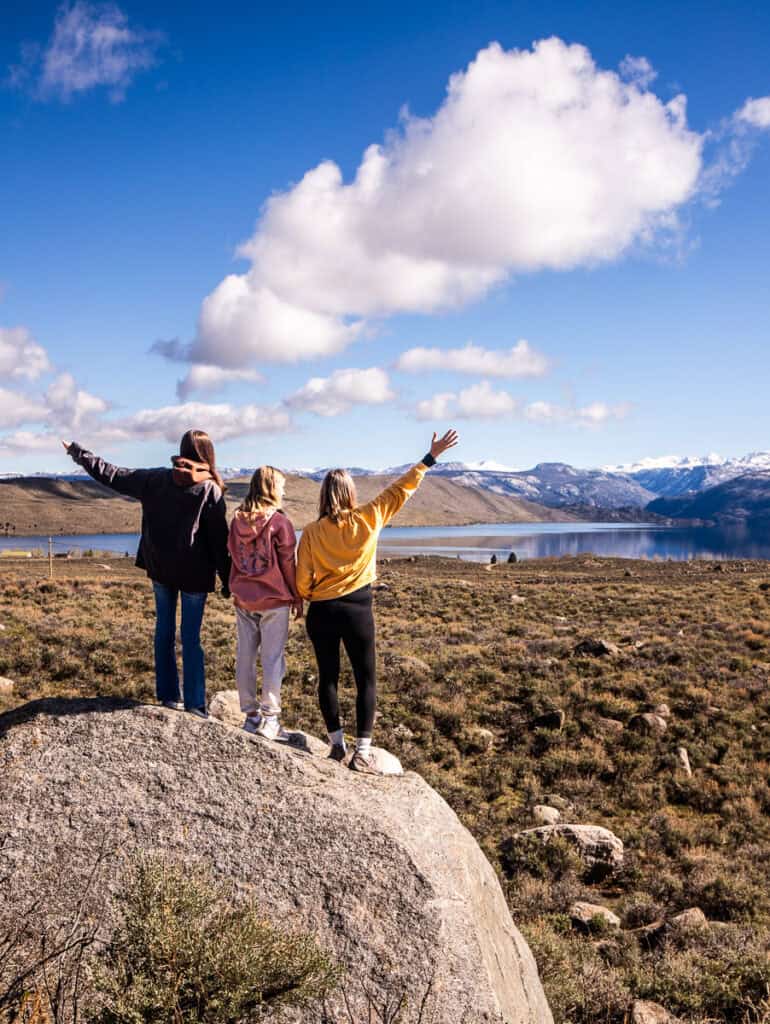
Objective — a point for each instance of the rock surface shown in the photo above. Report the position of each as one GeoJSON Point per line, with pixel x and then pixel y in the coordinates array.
{"type": "Point", "coordinates": [592, 915]}
{"type": "Point", "coordinates": [545, 815]}
{"type": "Point", "coordinates": [600, 850]}
{"type": "Point", "coordinates": [645, 1012]}
{"type": "Point", "coordinates": [6, 685]}
{"type": "Point", "coordinates": [595, 647]}
{"type": "Point", "coordinates": [648, 724]}
{"type": "Point", "coordinates": [225, 706]}
{"type": "Point", "coordinates": [380, 869]}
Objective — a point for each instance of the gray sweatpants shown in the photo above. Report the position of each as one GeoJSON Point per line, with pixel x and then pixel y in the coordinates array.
{"type": "Point", "coordinates": [263, 635]}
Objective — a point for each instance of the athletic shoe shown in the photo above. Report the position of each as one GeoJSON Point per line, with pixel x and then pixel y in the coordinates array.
{"type": "Point", "coordinates": [252, 723]}
{"type": "Point", "coordinates": [361, 763]}
{"type": "Point", "coordinates": [271, 729]}
{"type": "Point", "coordinates": [337, 753]}
{"type": "Point", "coordinates": [198, 712]}
{"type": "Point", "coordinates": [173, 705]}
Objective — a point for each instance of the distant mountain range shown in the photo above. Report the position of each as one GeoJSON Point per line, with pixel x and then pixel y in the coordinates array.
{"type": "Point", "coordinates": [742, 500]}
{"type": "Point", "coordinates": [621, 491]}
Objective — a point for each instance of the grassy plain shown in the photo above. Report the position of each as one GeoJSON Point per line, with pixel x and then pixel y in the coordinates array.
{"type": "Point", "coordinates": [469, 657]}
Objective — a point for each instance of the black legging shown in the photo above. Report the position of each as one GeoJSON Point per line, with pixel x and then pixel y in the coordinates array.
{"type": "Point", "coordinates": [350, 620]}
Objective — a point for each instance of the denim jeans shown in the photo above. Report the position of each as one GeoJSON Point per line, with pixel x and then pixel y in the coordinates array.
{"type": "Point", "coordinates": [166, 675]}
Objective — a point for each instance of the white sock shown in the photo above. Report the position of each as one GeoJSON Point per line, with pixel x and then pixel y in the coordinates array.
{"type": "Point", "coordinates": [363, 745]}
{"type": "Point", "coordinates": [337, 739]}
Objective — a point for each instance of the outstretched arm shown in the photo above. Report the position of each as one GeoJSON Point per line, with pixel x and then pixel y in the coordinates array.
{"type": "Point", "coordinates": [130, 482]}
{"type": "Point", "coordinates": [393, 498]}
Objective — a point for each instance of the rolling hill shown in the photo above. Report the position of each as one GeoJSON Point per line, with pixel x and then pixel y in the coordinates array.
{"type": "Point", "coordinates": [743, 500]}
{"type": "Point", "coordinates": [40, 506]}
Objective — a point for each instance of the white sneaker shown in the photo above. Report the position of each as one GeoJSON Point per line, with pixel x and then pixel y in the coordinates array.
{"type": "Point", "coordinates": [252, 723]}
{"type": "Point", "coordinates": [173, 705]}
{"type": "Point", "coordinates": [272, 729]}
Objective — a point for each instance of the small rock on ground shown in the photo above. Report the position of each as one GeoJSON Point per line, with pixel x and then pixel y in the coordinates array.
{"type": "Point", "coordinates": [545, 815]}
{"type": "Point", "coordinates": [550, 720]}
{"type": "Point", "coordinates": [600, 850]}
{"type": "Point", "coordinates": [683, 760]}
{"type": "Point", "coordinates": [691, 918]}
{"type": "Point", "coordinates": [648, 724]}
{"type": "Point", "coordinates": [644, 1011]}
{"type": "Point", "coordinates": [6, 685]}
{"type": "Point", "coordinates": [592, 915]}
{"type": "Point", "coordinates": [594, 647]}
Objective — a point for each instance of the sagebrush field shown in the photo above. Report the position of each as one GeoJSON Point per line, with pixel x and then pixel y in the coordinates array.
{"type": "Point", "coordinates": [469, 658]}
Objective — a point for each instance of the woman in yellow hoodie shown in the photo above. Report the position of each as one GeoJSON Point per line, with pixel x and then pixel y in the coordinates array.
{"type": "Point", "coordinates": [335, 570]}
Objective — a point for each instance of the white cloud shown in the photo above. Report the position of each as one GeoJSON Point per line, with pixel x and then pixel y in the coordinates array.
{"type": "Point", "coordinates": [330, 396]}
{"type": "Point", "coordinates": [591, 415]}
{"type": "Point", "coordinates": [92, 46]}
{"type": "Point", "coordinates": [480, 401]}
{"type": "Point", "coordinates": [69, 406]}
{"type": "Point", "coordinates": [638, 70]}
{"type": "Point", "coordinates": [17, 408]}
{"type": "Point", "coordinates": [222, 421]}
{"type": "Point", "coordinates": [535, 160]}
{"type": "Point", "coordinates": [755, 112]}
{"type": "Point", "coordinates": [521, 360]}
{"type": "Point", "coordinates": [202, 377]}
{"type": "Point", "coordinates": [439, 407]}
{"type": "Point", "coordinates": [20, 354]}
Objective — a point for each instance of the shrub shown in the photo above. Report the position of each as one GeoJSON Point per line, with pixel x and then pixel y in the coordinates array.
{"type": "Point", "coordinates": [185, 952]}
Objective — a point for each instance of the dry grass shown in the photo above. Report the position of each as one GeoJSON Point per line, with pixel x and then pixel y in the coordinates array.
{"type": "Point", "coordinates": [694, 636]}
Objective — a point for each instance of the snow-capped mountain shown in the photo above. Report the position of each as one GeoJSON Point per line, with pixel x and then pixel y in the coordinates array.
{"type": "Point", "coordinates": [687, 475]}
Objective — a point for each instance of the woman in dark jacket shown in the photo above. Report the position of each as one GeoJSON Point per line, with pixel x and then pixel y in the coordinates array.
{"type": "Point", "coordinates": [182, 548]}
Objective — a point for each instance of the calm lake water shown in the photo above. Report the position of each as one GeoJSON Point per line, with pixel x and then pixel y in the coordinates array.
{"type": "Point", "coordinates": [528, 540]}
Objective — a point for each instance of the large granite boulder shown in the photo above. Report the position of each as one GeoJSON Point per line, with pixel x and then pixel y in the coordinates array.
{"type": "Point", "coordinates": [379, 868]}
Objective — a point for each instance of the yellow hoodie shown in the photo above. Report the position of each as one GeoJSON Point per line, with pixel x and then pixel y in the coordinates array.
{"type": "Point", "coordinates": [335, 559]}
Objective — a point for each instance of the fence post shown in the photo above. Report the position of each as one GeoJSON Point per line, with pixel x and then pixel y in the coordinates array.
{"type": "Point", "coordinates": [50, 558]}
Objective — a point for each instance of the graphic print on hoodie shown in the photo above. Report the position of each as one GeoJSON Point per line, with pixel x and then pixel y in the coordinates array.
{"type": "Point", "coordinates": [262, 548]}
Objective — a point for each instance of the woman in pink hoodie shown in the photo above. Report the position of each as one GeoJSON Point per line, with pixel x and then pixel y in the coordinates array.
{"type": "Point", "coordinates": [262, 545]}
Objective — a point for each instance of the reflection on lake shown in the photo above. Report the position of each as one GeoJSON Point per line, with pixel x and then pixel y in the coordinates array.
{"type": "Point", "coordinates": [480, 542]}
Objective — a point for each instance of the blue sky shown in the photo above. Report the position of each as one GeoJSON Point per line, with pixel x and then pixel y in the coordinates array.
{"type": "Point", "coordinates": [556, 199]}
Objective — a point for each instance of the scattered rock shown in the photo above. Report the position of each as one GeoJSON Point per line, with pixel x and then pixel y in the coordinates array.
{"type": "Point", "coordinates": [610, 726]}
{"type": "Point", "coordinates": [512, 558]}
{"type": "Point", "coordinates": [545, 815]}
{"type": "Point", "coordinates": [6, 685]}
{"type": "Point", "coordinates": [645, 1012]}
{"type": "Point", "coordinates": [592, 647]}
{"type": "Point", "coordinates": [600, 850]}
{"type": "Point", "coordinates": [518, 599]}
{"type": "Point", "coordinates": [553, 720]}
{"type": "Point", "coordinates": [591, 916]}
{"type": "Point", "coordinates": [403, 732]}
{"type": "Point", "coordinates": [628, 573]}
{"type": "Point", "coordinates": [688, 920]}
{"type": "Point", "coordinates": [663, 710]}
{"type": "Point", "coordinates": [399, 871]}
{"type": "Point", "coordinates": [764, 586]}
{"type": "Point", "coordinates": [683, 760]}
{"type": "Point", "coordinates": [559, 802]}
{"type": "Point", "coordinates": [479, 739]}
{"type": "Point", "coordinates": [648, 724]}
{"type": "Point", "coordinates": [493, 560]}
{"type": "Point", "coordinates": [225, 706]}
{"type": "Point", "coordinates": [718, 567]}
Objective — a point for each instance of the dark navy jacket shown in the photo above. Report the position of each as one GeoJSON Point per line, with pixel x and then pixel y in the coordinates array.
{"type": "Point", "coordinates": [184, 529]}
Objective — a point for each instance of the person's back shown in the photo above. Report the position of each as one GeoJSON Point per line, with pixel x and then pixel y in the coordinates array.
{"type": "Point", "coordinates": [337, 553]}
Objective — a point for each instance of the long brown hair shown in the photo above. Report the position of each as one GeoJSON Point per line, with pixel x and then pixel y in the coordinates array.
{"type": "Point", "coordinates": [264, 491]}
{"type": "Point", "coordinates": [198, 446]}
{"type": "Point", "coordinates": [338, 495]}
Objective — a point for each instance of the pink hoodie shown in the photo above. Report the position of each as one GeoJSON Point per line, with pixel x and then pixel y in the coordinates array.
{"type": "Point", "coordinates": [263, 552]}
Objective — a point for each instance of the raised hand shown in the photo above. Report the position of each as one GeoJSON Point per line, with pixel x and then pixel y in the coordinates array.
{"type": "Point", "coordinates": [440, 444]}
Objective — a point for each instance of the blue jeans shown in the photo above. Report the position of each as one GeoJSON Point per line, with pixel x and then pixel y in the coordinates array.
{"type": "Point", "coordinates": [166, 675]}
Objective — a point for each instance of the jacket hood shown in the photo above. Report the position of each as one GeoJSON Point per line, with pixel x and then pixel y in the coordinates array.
{"type": "Point", "coordinates": [186, 472]}
{"type": "Point", "coordinates": [247, 527]}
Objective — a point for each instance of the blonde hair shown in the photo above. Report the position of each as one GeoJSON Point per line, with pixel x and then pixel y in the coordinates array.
{"type": "Point", "coordinates": [264, 491]}
{"type": "Point", "coordinates": [338, 495]}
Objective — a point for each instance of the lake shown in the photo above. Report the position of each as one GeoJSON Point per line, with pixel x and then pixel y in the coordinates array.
{"type": "Point", "coordinates": [528, 540]}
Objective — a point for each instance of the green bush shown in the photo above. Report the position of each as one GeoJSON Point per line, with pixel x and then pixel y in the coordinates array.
{"type": "Point", "coordinates": [185, 951]}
